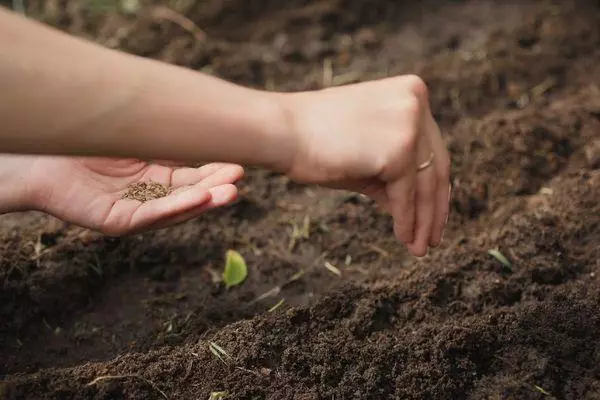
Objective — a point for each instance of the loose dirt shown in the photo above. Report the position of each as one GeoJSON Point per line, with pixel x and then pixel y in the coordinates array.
{"type": "Point", "coordinates": [516, 89]}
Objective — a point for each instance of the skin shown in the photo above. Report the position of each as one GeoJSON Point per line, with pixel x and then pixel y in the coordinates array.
{"type": "Point", "coordinates": [87, 190]}
{"type": "Point", "coordinates": [75, 135]}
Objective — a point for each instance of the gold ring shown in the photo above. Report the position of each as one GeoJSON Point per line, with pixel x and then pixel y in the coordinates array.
{"type": "Point", "coordinates": [426, 164]}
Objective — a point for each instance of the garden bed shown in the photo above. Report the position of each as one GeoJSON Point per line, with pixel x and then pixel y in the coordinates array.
{"type": "Point", "coordinates": [515, 87]}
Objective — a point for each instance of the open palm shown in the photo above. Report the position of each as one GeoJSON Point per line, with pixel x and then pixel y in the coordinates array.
{"type": "Point", "coordinates": [88, 191]}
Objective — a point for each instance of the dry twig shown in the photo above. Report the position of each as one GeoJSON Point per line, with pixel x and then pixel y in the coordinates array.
{"type": "Point", "coordinates": [134, 376]}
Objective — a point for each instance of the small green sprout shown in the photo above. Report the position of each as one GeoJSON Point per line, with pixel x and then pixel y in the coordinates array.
{"type": "Point", "coordinates": [500, 257]}
{"type": "Point", "coordinates": [218, 395]}
{"type": "Point", "coordinates": [235, 269]}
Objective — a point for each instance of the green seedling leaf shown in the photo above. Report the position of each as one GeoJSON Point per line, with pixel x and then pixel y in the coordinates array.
{"type": "Point", "coordinates": [218, 395]}
{"type": "Point", "coordinates": [235, 269]}
{"type": "Point", "coordinates": [276, 306]}
{"type": "Point", "coordinates": [500, 257]}
{"type": "Point", "coordinates": [219, 352]}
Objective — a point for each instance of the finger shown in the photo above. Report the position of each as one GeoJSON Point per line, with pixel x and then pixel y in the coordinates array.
{"type": "Point", "coordinates": [426, 186]}
{"type": "Point", "coordinates": [225, 175]}
{"type": "Point", "coordinates": [220, 196]}
{"type": "Point", "coordinates": [210, 175]}
{"type": "Point", "coordinates": [442, 171]}
{"type": "Point", "coordinates": [400, 190]}
{"type": "Point", "coordinates": [401, 204]}
{"type": "Point", "coordinates": [129, 215]}
{"type": "Point", "coordinates": [425, 211]}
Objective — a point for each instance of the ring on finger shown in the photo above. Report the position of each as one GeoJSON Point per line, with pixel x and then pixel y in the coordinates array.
{"type": "Point", "coordinates": [427, 163]}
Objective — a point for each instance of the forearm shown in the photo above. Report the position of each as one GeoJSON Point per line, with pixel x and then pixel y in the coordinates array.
{"type": "Point", "coordinates": [62, 95]}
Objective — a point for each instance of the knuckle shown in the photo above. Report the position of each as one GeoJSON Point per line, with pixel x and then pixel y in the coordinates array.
{"type": "Point", "coordinates": [408, 142]}
{"type": "Point", "coordinates": [417, 86]}
{"type": "Point", "coordinates": [408, 113]}
{"type": "Point", "coordinates": [411, 105]}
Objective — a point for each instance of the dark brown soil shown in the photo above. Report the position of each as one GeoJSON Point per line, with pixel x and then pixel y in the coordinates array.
{"type": "Point", "coordinates": [515, 87]}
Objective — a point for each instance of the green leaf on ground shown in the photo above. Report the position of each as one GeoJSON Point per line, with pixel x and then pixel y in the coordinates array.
{"type": "Point", "coordinates": [235, 269]}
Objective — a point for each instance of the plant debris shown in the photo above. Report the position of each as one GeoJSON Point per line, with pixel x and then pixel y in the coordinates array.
{"type": "Point", "coordinates": [277, 305]}
{"type": "Point", "coordinates": [218, 395]}
{"type": "Point", "coordinates": [132, 376]}
{"type": "Point", "coordinates": [219, 353]}
{"type": "Point", "coordinates": [500, 257]}
{"type": "Point", "coordinates": [333, 269]}
{"type": "Point", "coordinates": [541, 390]}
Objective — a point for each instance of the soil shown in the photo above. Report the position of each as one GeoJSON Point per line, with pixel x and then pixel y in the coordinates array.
{"type": "Point", "coordinates": [515, 87]}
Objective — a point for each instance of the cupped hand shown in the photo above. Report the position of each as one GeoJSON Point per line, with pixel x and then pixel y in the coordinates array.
{"type": "Point", "coordinates": [88, 191]}
{"type": "Point", "coordinates": [377, 138]}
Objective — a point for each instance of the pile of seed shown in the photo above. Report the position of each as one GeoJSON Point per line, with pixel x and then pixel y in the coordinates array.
{"type": "Point", "coordinates": [146, 191]}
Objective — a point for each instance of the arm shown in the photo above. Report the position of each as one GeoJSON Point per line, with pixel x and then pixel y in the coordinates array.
{"type": "Point", "coordinates": [64, 95]}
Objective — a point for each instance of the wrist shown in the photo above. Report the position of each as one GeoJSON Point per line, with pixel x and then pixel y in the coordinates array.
{"type": "Point", "coordinates": [16, 191]}
{"type": "Point", "coordinates": [281, 141]}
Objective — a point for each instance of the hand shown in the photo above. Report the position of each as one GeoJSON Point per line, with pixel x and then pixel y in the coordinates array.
{"type": "Point", "coordinates": [371, 138]}
{"type": "Point", "coordinates": [88, 191]}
